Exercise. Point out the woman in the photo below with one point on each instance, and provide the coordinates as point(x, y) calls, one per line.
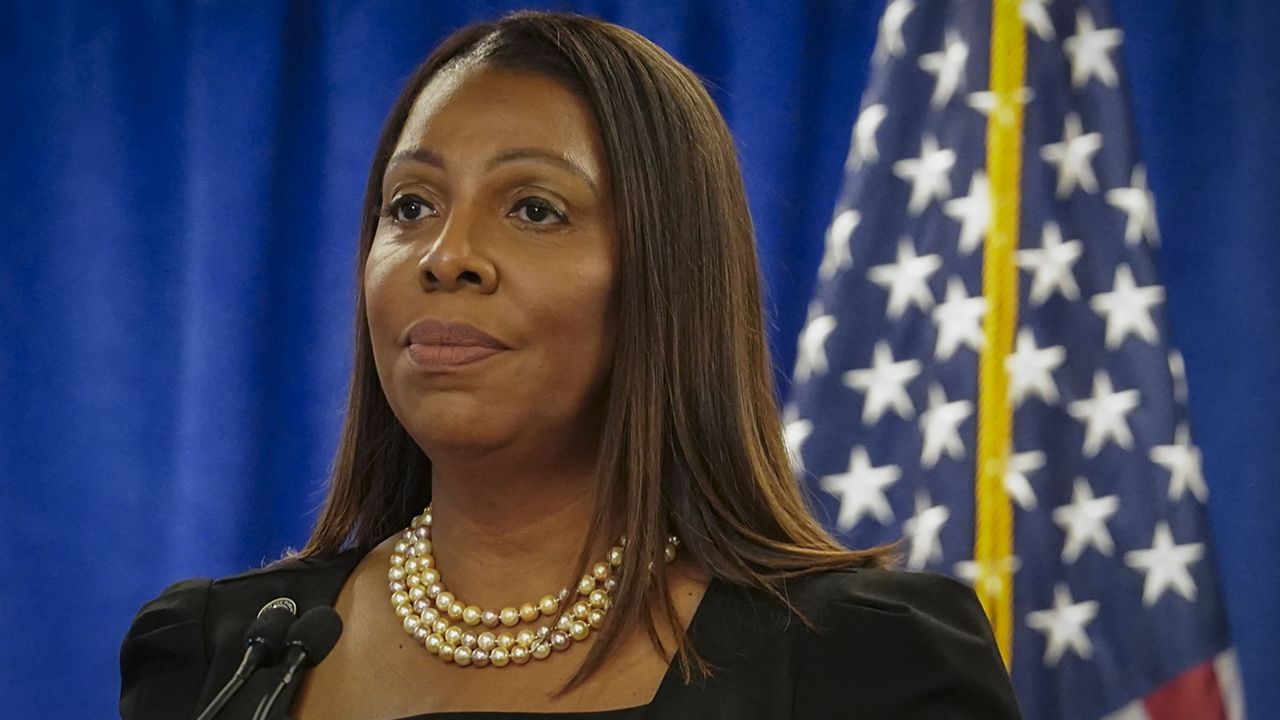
point(562, 486)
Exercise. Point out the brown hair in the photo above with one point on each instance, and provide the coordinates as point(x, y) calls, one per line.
point(692, 440)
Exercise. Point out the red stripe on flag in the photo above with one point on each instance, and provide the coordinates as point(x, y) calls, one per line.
point(1192, 695)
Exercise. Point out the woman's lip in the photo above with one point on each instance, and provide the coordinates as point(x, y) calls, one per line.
point(440, 357)
point(435, 332)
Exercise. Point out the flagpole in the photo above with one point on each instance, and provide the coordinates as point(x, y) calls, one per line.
point(993, 541)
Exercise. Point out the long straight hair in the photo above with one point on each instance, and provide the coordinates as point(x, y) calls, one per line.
point(692, 443)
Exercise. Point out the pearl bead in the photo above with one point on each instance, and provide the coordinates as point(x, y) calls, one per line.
point(462, 656)
point(421, 634)
point(403, 611)
point(499, 657)
point(595, 618)
point(422, 533)
point(397, 586)
point(429, 615)
point(426, 518)
point(397, 559)
point(413, 580)
point(434, 590)
point(563, 594)
point(542, 632)
point(579, 630)
point(670, 553)
point(421, 607)
point(423, 547)
point(528, 612)
point(455, 610)
point(580, 609)
point(433, 643)
point(471, 615)
point(469, 639)
point(479, 658)
point(525, 637)
point(562, 622)
point(427, 562)
point(509, 616)
point(412, 566)
point(453, 635)
point(559, 640)
point(395, 573)
point(597, 598)
point(417, 593)
point(430, 576)
point(615, 556)
point(610, 585)
point(505, 641)
point(411, 623)
point(486, 641)
point(446, 652)
point(548, 605)
point(400, 548)
point(489, 618)
point(600, 571)
point(444, 600)
point(541, 651)
point(440, 625)
point(519, 655)
point(586, 584)
point(399, 598)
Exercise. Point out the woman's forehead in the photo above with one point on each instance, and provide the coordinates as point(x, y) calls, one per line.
point(478, 109)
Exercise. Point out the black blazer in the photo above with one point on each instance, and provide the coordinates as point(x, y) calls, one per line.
point(893, 645)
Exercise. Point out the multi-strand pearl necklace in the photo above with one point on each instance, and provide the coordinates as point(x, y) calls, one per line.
point(448, 627)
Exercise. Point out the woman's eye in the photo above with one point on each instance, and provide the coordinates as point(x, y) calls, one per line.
point(537, 212)
point(410, 208)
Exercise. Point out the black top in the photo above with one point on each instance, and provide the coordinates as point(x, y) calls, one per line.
point(889, 645)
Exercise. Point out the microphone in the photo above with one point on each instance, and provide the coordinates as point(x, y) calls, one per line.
point(264, 641)
point(309, 641)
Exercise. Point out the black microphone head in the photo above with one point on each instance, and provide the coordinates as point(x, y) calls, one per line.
point(315, 633)
point(268, 631)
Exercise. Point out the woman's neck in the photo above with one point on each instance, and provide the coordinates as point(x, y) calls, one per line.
point(504, 536)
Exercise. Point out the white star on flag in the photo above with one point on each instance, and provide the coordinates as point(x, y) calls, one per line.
point(987, 576)
point(923, 528)
point(1183, 461)
point(1051, 265)
point(1084, 521)
point(836, 256)
point(940, 425)
point(795, 432)
point(1127, 308)
point(927, 174)
point(947, 68)
point(1063, 625)
point(889, 42)
point(907, 280)
point(1105, 415)
point(1031, 369)
point(959, 320)
point(863, 141)
point(999, 106)
point(885, 385)
point(1073, 157)
point(973, 212)
point(1036, 16)
point(1138, 206)
point(861, 490)
point(812, 354)
point(1178, 369)
point(1015, 477)
point(1089, 51)
point(1165, 565)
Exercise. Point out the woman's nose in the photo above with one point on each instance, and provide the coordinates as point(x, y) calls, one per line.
point(456, 260)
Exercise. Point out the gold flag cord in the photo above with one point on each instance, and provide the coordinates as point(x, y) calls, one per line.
point(993, 541)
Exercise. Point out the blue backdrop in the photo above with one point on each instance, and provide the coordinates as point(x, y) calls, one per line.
point(178, 203)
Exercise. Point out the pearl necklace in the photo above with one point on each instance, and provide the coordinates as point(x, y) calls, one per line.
point(428, 611)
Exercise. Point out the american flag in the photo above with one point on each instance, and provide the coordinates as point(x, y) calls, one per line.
point(1115, 611)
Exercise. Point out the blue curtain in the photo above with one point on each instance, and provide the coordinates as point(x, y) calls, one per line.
point(178, 209)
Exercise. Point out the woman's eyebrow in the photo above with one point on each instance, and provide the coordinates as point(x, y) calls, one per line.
point(543, 155)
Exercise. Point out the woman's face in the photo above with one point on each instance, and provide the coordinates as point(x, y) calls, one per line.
point(496, 214)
